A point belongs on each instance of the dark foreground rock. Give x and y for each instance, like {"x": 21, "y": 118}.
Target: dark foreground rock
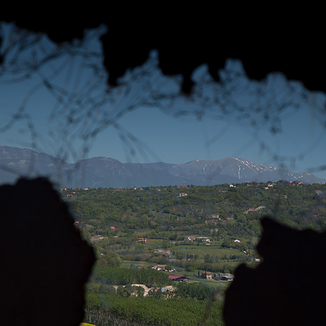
{"x": 288, "y": 287}
{"x": 44, "y": 261}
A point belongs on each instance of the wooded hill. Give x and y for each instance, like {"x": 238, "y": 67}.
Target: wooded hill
{"x": 176, "y": 212}
{"x": 117, "y": 222}
{"x": 167, "y": 216}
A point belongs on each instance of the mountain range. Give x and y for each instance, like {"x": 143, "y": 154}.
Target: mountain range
{"x": 107, "y": 172}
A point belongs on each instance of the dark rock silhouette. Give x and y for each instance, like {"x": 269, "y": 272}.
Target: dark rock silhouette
{"x": 265, "y": 40}
{"x": 288, "y": 287}
{"x": 45, "y": 262}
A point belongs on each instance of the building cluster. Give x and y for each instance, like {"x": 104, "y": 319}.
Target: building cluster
{"x": 217, "y": 276}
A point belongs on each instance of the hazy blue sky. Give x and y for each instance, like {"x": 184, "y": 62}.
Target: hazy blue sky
{"x": 149, "y": 134}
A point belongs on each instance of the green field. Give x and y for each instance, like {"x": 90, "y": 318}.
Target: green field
{"x": 213, "y": 250}
{"x": 121, "y": 217}
{"x": 128, "y": 263}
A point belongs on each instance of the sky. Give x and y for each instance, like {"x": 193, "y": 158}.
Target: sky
{"x": 132, "y": 124}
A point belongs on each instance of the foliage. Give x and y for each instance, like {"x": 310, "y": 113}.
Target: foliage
{"x": 123, "y": 276}
{"x": 114, "y": 219}
{"x": 165, "y": 226}
{"x": 173, "y": 218}
{"x": 195, "y": 290}
{"x": 171, "y": 312}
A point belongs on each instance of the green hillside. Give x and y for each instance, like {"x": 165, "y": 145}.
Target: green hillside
{"x": 191, "y": 230}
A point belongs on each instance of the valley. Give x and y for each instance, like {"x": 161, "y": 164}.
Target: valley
{"x": 155, "y": 236}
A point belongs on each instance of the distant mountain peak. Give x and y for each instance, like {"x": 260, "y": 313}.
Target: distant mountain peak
{"x": 108, "y": 172}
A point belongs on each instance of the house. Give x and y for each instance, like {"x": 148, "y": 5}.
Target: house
{"x": 182, "y": 194}
{"x": 168, "y": 289}
{"x": 207, "y": 275}
{"x": 159, "y": 267}
{"x": 178, "y": 278}
{"x": 205, "y": 239}
{"x": 297, "y": 183}
{"x": 227, "y": 278}
{"x": 190, "y": 238}
{"x": 113, "y": 228}
{"x": 250, "y": 210}
{"x": 238, "y": 241}
{"x": 143, "y": 240}
{"x": 224, "y": 274}
{"x": 213, "y": 216}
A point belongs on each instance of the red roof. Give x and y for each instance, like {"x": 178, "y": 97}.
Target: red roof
{"x": 174, "y": 276}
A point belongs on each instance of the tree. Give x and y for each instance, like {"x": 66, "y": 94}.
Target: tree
{"x": 207, "y": 258}
{"x": 140, "y": 291}
{"x": 124, "y": 291}
{"x": 168, "y": 267}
